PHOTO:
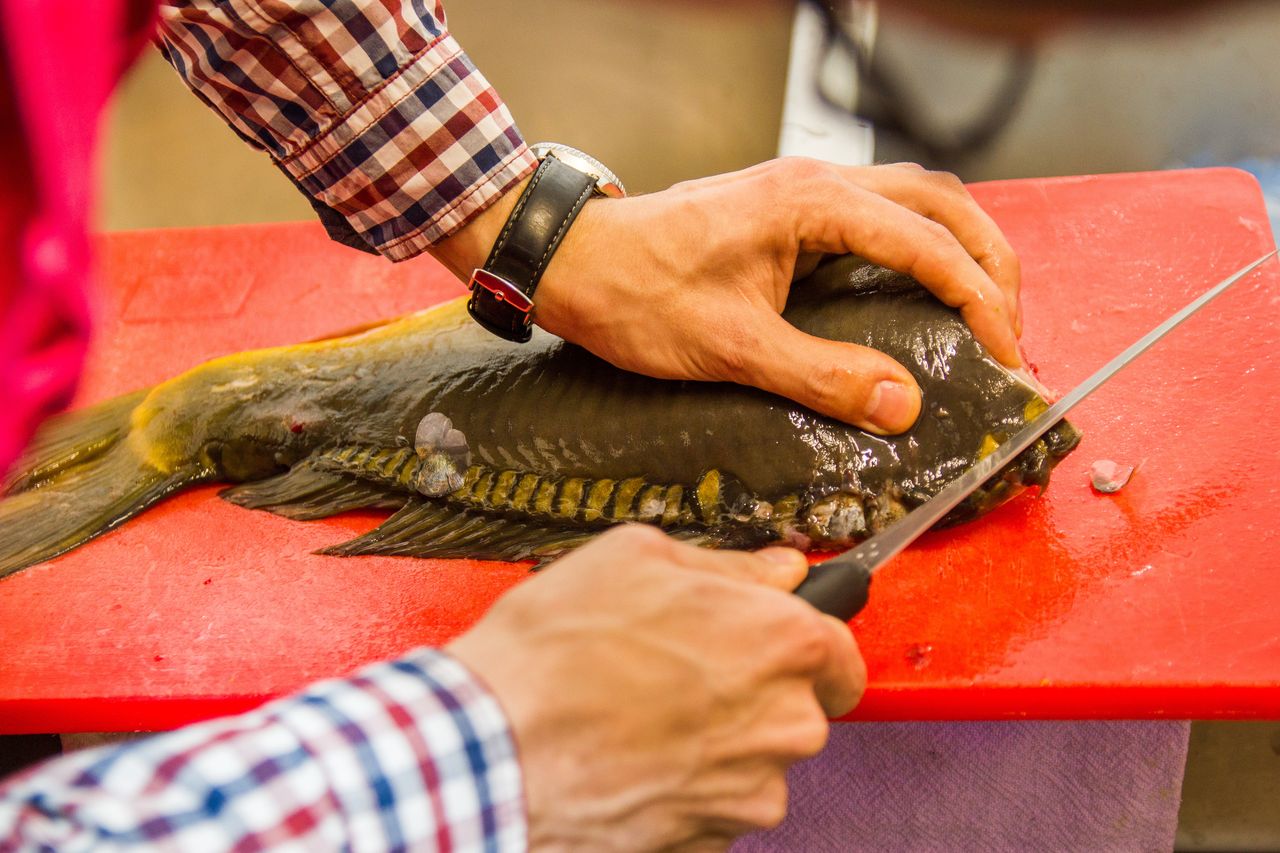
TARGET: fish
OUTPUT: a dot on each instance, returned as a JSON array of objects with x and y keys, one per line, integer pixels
[{"x": 486, "y": 449}]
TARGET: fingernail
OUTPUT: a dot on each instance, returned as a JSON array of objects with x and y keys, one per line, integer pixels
[
  {"x": 786, "y": 558},
  {"x": 892, "y": 406}
]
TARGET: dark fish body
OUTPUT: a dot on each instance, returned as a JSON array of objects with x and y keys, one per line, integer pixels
[{"x": 490, "y": 449}]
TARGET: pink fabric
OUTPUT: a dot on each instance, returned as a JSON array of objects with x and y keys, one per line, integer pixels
[
  {"x": 1001, "y": 787},
  {"x": 61, "y": 61}
]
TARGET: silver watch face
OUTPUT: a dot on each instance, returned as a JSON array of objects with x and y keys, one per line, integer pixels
[{"x": 607, "y": 183}]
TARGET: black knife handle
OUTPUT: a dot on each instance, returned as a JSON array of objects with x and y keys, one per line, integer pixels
[{"x": 837, "y": 587}]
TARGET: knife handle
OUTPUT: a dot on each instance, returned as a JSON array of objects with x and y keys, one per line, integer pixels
[{"x": 837, "y": 587}]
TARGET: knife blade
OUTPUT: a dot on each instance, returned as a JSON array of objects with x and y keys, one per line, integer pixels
[{"x": 840, "y": 586}]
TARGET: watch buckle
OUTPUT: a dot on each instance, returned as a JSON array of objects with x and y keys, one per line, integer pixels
[{"x": 501, "y": 290}]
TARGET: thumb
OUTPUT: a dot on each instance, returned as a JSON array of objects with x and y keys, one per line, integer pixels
[{"x": 855, "y": 384}]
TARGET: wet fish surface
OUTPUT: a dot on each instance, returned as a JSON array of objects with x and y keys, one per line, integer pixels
[{"x": 491, "y": 450}]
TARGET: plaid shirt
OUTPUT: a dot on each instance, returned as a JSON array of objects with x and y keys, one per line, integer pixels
[
  {"x": 375, "y": 112},
  {"x": 412, "y": 754},
  {"x": 369, "y": 106}
]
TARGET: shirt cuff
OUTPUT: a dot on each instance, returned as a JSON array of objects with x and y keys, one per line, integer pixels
[{"x": 420, "y": 157}]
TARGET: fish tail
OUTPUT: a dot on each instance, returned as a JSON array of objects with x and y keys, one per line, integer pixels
[
  {"x": 71, "y": 439},
  {"x": 79, "y": 480}
]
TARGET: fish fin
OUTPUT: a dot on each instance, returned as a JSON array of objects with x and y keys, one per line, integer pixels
[
  {"x": 352, "y": 331},
  {"x": 728, "y": 538},
  {"x": 82, "y": 501},
  {"x": 304, "y": 493},
  {"x": 71, "y": 439},
  {"x": 554, "y": 549},
  {"x": 427, "y": 528}
]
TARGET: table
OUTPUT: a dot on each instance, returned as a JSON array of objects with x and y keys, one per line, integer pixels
[{"x": 1158, "y": 601}]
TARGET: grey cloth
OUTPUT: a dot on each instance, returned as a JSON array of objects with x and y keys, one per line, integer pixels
[{"x": 991, "y": 787}]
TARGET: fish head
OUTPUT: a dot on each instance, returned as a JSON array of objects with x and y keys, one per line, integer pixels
[{"x": 970, "y": 402}]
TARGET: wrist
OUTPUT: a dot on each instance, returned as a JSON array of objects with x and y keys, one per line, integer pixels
[
  {"x": 568, "y": 299},
  {"x": 523, "y": 238},
  {"x": 467, "y": 248}
]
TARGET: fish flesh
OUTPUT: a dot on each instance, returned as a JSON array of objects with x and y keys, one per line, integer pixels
[{"x": 491, "y": 450}]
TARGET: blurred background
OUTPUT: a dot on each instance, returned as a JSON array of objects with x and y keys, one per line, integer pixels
[{"x": 664, "y": 91}]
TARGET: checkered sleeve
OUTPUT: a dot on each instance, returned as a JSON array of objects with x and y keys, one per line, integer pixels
[
  {"x": 409, "y": 755},
  {"x": 369, "y": 106}
]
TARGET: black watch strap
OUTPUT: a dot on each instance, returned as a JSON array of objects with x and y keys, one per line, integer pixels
[{"x": 502, "y": 292}]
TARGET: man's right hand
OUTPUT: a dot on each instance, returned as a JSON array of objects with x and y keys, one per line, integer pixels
[{"x": 658, "y": 692}]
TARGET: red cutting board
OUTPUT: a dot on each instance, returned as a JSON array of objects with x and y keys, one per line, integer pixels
[{"x": 1160, "y": 601}]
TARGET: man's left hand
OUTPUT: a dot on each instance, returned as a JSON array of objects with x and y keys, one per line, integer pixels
[{"x": 690, "y": 282}]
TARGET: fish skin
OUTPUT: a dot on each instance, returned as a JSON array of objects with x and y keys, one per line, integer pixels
[{"x": 550, "y": 408}]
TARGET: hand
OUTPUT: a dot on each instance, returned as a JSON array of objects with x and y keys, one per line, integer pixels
[
  {"x": 689, "y": 283},
  {"x": 658, "y": 691}
]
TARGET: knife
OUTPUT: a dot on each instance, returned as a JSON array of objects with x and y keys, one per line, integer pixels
[{"x": 840, "y": 586}]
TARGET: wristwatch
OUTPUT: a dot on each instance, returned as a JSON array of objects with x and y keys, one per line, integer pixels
[{"x": 502, "y": 290}]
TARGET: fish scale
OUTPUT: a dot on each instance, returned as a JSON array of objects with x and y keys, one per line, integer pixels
[
  {"x": 715, "y": 498},
  {"x": 558, "y": 498}
]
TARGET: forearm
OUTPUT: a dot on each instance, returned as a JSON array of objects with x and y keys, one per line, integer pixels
[
  {"x": 378, "y": 116},
  {"x": 413, "y": 753}
]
